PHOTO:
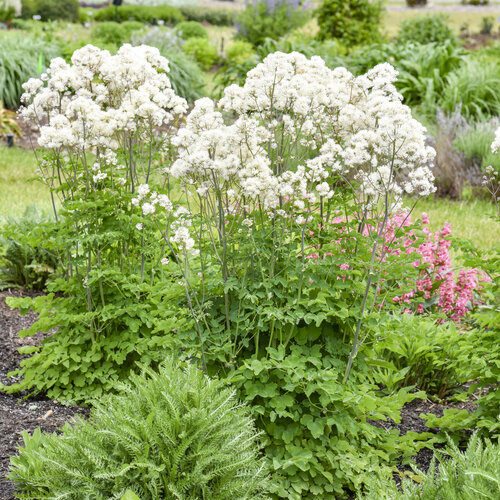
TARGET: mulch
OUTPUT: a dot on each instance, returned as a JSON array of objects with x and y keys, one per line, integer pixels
[{"x": 19, "y": 413}]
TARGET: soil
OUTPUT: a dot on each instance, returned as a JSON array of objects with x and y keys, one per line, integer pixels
[
  {"x": 16, "y": 413},
  {"x": 19, "y": 413}
]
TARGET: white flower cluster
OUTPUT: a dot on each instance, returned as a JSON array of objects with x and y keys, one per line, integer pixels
[
  {"x": 299, "y": 127},
  {"x": 88, "y": 104},
  {"x": 495, "y": 146},
  {"x": 217, "y": 155}
]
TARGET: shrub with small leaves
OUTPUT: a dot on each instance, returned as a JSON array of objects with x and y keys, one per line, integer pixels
[
  {"x": 191, "y": 29},
  {"x": 50, "y": 10},
  {"x": 175, "y": 435},
  {"x": 269, "y": 20},
  {"x": 353, "y": 22},
  {"x": 202, "y": 51},
  {"x": 426, "y": 29}
]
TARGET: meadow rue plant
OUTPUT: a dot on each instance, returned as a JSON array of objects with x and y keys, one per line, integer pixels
[
  {"x": 302, "y": 134},
  {"x": 105, "y": 122}
]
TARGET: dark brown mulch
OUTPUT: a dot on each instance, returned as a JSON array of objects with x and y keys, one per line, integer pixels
[
  {"x": 18, "y": 414},
  {"x": 474, "y": 42}
]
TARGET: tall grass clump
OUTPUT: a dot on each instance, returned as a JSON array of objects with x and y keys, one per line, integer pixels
[
  {"x": 175, "y": 434},
  {"x": 476, "y": 87},
  {"x": 21, "y": 57},
  {"x": 475, "y": 143}
]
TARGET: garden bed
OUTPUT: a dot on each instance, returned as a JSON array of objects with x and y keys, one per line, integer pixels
[{"x": 18, "y": 414}]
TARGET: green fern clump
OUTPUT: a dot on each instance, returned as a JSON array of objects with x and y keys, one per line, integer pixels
[
  {"x": 468, "y": 475},
  {"x": 173, "y": 434}
]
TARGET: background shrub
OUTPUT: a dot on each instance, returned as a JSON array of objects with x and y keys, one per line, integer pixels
[
  {"x": 24, "y": 261},
  {"x": 475, "y": 2},
  {"x": 263, "y": 20},
  {"x": 204, "y": 53},
  {"x": 416, "y": 3},
  {"x": 175, "y": 434},
  {"x": 239, "y": 51},
  {"x": 51, "y": 10},
  {"x": 210, "y": 15},
  {"x": 7, "y": 12},
  {"x": 475, "y": 144},
  {"x": 426, "y": 29},
  {"x": 21, "y": 57},
  {"x": 114, "y": 33},
  {"x": 191, "y": 29},
  {"x": 143, "y": 14},
  {"x": 354, "y": 22}
]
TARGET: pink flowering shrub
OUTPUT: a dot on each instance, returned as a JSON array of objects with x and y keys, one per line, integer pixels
[
  {"x": 442, "y": 288},
  {"x": 437, "y": 287}
]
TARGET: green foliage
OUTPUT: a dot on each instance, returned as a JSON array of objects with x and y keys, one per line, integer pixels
[
  {"x": 211, "y": 15},
  {"x": 414, "y": 351},
  {"x": 141, "y": 13},
  {"x": 51, "y": 10},
  {"x": 487, "y": 24},
  {"x": 475, "y": 2},
  {"x": 114, "y": 33},
  {"x": 462, "y": 475},
  {"x": 203, "y": 52},
  {"x": 476, "y": 142},
  {"x": 483, "y": 370},
  {"x": 258, "y": 22},
  {"x": 175, "y": 435},
  {"x": 353, "y": 22},
  {"x": 242, "y": 57},
  {"x": 416, "y": 3},
  {"x": 239, "y": 52},
  {"x": 423, "y": 69},
  {"x": 191, "y": 29},
  {"x": 318, "y": 437},
  {"x": 426, "y": 29},
  {"x": 7, "y": 12},
  {"x": 476, "y": 87},
  {"x": 487, "y": 352},
  {"x": 91, "y": 350},
  {"x": 24, "y": 260},
  {"x": 185, "y": 75},
  {"x": 20, "y": 59}
]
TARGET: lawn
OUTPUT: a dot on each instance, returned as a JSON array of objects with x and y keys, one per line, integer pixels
[
  {"x": 469, "y": 219},
  {"x": 19, "y": 188}
]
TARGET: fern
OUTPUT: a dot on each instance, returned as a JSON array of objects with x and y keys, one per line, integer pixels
[{"x": 175, "y": 434}]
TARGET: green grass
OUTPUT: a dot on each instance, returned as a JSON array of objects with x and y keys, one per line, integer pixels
[
  {"x": 392, "y": 20},
  {"x": 469, "y": 219},
  {"x": 17, "y": 167}
]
